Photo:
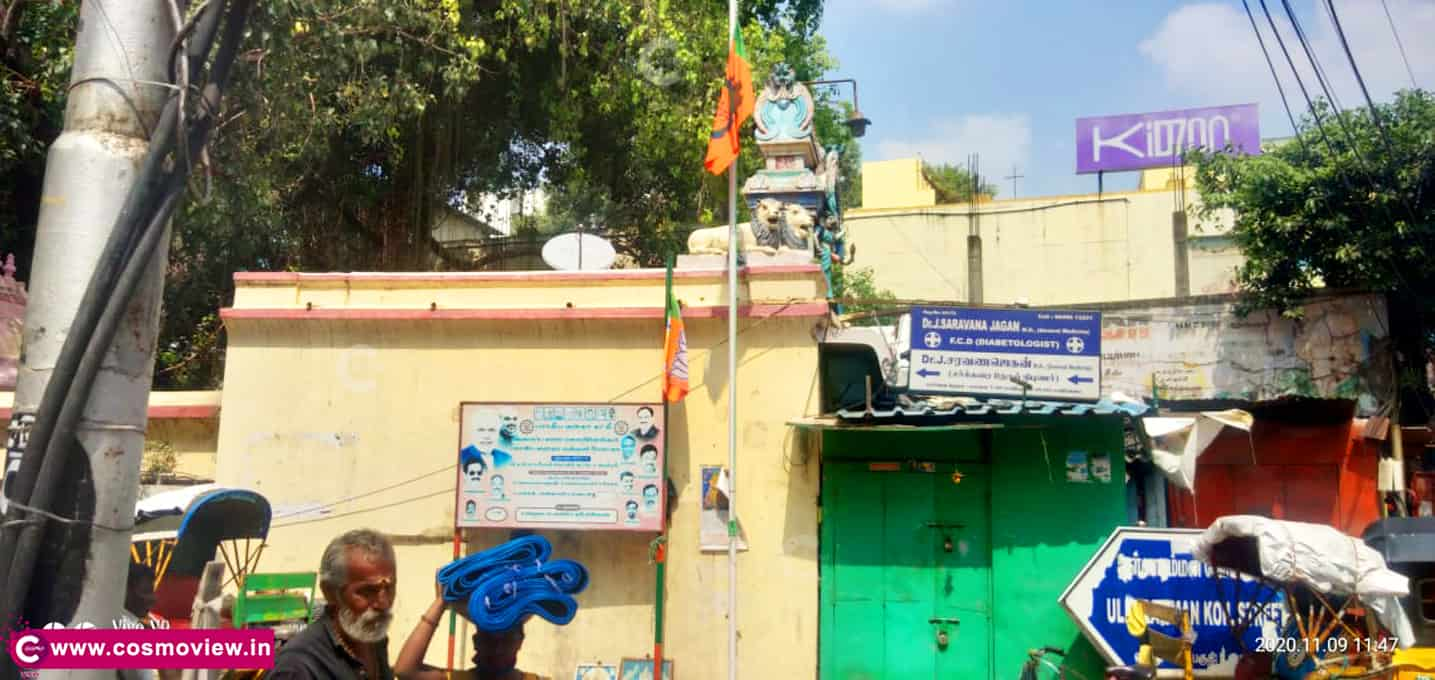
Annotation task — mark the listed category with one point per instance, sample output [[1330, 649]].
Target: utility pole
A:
[[974, 235], [121, 53]]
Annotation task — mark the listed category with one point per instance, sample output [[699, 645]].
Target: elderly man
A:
[[350, 639]]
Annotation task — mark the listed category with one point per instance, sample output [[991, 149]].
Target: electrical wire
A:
[[1295, 128], [1339, 113], [1399, 44], [1310, 103], [1345, 46], [366, 494], [360, 511]]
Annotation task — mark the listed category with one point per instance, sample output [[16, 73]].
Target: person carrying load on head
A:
[[498, 590]]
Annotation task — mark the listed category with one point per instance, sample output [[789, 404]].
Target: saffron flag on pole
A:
[[675, 348], [735, 106]]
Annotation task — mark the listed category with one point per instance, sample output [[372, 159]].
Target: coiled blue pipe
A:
[[504, 585]]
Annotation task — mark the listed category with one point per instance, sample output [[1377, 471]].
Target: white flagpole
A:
[[732, 245]]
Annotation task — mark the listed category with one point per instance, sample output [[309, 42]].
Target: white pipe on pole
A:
[[732, 246]]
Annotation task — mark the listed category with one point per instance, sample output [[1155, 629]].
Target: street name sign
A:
[[1157, 565], [1038, 354]]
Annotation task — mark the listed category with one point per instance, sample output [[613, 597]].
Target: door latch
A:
[[942, 639]]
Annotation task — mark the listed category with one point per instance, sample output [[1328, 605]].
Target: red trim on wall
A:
[[183, 412], [159, 412], [802, 309], [517, 277]]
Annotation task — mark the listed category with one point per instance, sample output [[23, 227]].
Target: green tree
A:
[[872, 305], [351, 122], [1341, 207], [36, 51], [954, 184]]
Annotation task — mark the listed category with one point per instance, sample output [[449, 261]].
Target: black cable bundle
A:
[[127, 255]]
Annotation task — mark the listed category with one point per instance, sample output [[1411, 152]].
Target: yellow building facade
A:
[[1054, 250], [341, 406], [182, 424]]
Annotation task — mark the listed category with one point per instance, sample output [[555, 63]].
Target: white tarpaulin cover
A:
[[1176, 446], [1322, 558]]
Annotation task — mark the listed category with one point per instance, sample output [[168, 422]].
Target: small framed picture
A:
[[642, 669], [593, 671]]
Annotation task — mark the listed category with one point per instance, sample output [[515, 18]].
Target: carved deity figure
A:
[[784, 109]]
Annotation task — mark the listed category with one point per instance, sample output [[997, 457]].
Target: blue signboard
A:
[[1157, 565], [1041, 354]]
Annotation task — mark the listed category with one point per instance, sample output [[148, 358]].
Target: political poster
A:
[[560, 466]]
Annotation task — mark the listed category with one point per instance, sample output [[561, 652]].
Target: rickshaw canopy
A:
[[1315, 556]]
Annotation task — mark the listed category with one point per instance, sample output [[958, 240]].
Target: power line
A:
[[1400, 45], [1295, 128], [1339, 111], [1315, 113], [361, 511], [1344, 45]]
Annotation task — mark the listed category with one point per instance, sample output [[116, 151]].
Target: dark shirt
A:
[[316, 654]]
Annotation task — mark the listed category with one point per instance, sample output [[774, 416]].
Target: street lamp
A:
[[855, 122]]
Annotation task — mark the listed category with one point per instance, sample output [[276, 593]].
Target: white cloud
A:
[[1208, 49], [1003, 140]]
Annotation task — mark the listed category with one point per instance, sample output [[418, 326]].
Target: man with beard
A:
[[350, 639]]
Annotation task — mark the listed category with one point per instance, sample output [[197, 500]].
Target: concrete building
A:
[[341, 405], [1116, 246]]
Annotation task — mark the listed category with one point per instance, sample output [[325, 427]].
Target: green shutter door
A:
[[889, 584]]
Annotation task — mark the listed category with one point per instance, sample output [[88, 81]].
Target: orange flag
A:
[[734, 108], [675, 348]]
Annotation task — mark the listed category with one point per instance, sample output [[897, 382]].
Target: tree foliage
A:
[[350, 123], [872, 305], [955, 184], [1338, 206], [36, 51]]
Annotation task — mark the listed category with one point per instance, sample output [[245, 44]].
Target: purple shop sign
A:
[[1152, 140]]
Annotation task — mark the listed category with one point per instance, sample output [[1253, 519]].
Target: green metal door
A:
[[906, 556]]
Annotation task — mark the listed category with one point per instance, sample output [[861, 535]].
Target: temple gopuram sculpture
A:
[[794, 199]]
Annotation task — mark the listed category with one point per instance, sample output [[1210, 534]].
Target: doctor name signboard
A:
[[1156, 565], [1040, 354], [560, 466]]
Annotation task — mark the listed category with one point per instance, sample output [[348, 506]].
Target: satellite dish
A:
[[570, 252]]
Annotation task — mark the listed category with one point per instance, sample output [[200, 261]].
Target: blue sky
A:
[[1008, 78]]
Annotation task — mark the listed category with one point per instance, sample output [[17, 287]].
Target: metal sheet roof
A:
[[951, 408]]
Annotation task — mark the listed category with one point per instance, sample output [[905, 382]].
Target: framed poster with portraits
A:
[[585, 466]]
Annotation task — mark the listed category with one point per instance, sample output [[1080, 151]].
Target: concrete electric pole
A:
[[117, 92]]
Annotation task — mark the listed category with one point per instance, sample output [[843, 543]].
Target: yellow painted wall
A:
[[896, 184], [316, 411], [195, 440], [1043, 251]]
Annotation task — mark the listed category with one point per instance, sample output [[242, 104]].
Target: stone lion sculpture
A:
[[767, 223], [797, 232], [714, 240]]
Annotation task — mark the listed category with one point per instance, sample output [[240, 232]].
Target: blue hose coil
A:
[[504, 585]]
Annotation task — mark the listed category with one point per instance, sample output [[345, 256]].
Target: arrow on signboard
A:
[[926, 373], [1077, 380]]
